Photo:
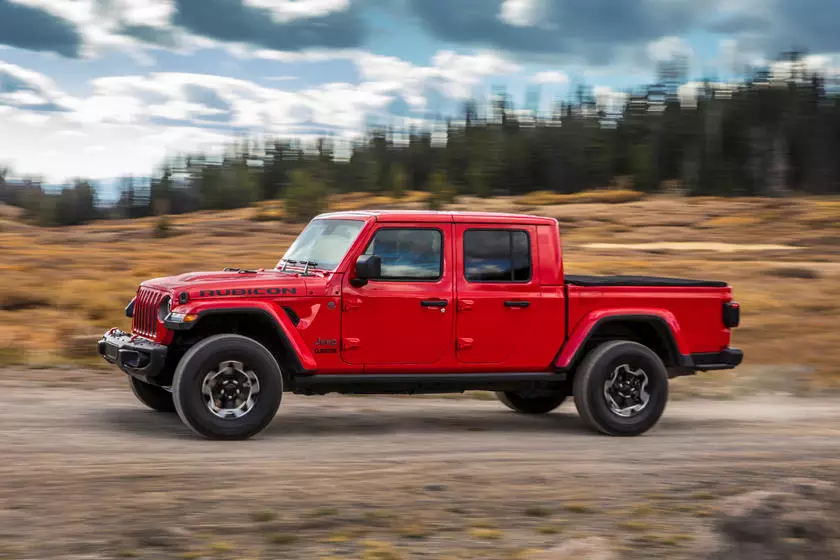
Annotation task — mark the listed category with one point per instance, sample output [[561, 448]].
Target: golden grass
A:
[[367, 201], [548, 198], [729, 221], [484, 533], [62, 287]]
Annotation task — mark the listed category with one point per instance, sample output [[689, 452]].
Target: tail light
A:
[[731, 314]]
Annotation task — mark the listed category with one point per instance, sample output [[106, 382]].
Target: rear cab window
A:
[[497, 255]]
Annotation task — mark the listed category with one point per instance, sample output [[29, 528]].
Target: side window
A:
[[497, 256], [408, 254]]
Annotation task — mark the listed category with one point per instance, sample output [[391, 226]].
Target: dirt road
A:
[[91, 474]]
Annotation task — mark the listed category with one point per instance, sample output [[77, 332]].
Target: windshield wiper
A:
[[239, 270], [306, 264]]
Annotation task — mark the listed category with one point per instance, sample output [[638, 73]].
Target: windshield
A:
[[324, 243]]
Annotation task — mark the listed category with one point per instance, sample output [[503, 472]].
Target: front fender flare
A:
[[665, 321], [292, 340]]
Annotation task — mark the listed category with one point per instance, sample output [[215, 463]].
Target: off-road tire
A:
[[592, 374], [156, 398], [537, 404], [205, 357]]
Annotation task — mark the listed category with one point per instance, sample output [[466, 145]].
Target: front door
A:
[[498, 296], [406, 316]]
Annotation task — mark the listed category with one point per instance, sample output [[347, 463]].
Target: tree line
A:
[[767, 135]]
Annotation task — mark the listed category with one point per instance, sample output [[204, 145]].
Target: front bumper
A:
[[135, 355]]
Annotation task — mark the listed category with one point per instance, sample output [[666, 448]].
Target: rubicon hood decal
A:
[[200, 285], [226, 292]]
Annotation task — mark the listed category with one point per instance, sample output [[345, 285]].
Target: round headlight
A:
[[164, 308]]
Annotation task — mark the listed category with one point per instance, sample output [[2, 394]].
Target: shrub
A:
[[163, 227], [263, 214], [305, 198], [12, 356], [399, 182], [794, 272], [441, 192], [21, 298]]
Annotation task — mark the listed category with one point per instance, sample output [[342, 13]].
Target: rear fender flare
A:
[[666, 323], [292, 341]]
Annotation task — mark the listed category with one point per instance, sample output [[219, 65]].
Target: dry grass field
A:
[[60, 288], [89, 473]]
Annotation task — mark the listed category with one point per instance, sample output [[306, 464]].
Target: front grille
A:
[[145, 320]]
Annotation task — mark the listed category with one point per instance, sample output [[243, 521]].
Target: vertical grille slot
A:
[[145, 320]]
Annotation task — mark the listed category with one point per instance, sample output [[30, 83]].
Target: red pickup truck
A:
[[420, 302]]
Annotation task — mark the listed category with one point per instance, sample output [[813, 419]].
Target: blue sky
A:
[[104, 88]]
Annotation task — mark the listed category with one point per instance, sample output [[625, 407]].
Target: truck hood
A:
[[213, 284]]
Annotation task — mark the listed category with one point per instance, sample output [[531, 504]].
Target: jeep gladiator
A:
[[420, 302]]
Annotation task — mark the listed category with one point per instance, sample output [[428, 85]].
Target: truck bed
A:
[[602, 281]]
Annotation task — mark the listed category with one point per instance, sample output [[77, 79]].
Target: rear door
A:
[[498, 293], [406, 316]]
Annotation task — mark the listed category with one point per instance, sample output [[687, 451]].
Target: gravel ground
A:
[[87, 472]]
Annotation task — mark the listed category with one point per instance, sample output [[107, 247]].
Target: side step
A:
[[418, 383]]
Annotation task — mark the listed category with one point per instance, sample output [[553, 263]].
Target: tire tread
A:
[[589, 367], [155, 398], [184, 364]]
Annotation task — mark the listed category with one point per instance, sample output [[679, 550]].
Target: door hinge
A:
[[465, 304], [351, 304], [349, 343], [463, 343]]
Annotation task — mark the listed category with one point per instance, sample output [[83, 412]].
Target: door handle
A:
[[517, 303], [434, 303]]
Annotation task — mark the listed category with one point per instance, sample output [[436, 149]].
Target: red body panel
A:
[[488, 332], [382, 327], [383, 324]]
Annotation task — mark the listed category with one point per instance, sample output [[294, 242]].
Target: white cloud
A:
[[310, 55], [29, 88], [286, 10], [522, 13], [139, 119], [155, 13], [551, 77], [451, 74], [610, 100], [668, 48], [822, 63], [58, 149], [117, 129], [689, 92], [102, 24]]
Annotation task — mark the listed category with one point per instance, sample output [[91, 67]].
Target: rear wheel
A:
[[621, 388], [156, 398], [227, 387], [533, 402]]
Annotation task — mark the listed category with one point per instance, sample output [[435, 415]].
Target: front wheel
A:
[[533, 402], [621, 388], [227, 387], [156, 398]]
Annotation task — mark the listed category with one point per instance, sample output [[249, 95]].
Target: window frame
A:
[[510, 231], [441, 270]]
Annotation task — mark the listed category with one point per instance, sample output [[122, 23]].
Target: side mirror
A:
[[368, 267]]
